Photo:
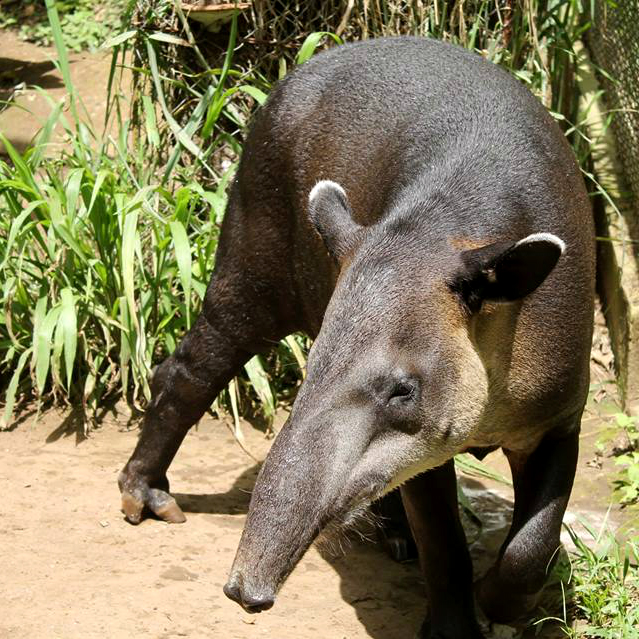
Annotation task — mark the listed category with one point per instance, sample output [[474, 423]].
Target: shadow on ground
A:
[[233, 502]]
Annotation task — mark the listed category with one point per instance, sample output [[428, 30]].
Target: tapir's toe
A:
[[132, 508], [136, 495]]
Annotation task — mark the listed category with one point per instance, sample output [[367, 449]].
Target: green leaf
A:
[[129, 239], [118, 39], [23, 170], [44, 345], [10, 396], [311, 43], [37, 318], [258, 95], [178, 131], [68, 324], [150, 121], [74, 181], [297, 352], [471, 466], [44, 135], [63, 59], [170, 39], [183, 257], [125, 348]]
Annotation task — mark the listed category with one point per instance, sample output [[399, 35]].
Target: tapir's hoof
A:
[[136, 495], [502, 603]]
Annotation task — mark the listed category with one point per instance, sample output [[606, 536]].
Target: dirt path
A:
[[72, 567], [22, 65]]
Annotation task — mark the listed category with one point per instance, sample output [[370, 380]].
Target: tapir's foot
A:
[[456, 628], [504, 603], [137, 495]]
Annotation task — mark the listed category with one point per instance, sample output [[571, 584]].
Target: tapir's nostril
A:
[[250, 602]]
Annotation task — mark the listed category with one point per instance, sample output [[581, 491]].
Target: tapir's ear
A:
[[330, 213], [507, 271]]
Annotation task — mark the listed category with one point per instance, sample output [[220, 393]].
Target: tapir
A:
[[417, 211]]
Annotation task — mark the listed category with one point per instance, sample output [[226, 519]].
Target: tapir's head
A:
[[394, 383]]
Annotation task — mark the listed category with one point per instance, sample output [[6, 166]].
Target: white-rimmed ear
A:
[[507, 271], [331, 216]]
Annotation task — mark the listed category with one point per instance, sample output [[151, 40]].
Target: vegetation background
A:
[[107, 247]]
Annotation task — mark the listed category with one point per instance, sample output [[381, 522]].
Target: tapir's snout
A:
[[251, 599]]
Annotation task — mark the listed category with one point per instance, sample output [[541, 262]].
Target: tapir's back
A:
[[378, 114]]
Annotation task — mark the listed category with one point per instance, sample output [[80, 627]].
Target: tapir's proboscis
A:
[[418, 212]]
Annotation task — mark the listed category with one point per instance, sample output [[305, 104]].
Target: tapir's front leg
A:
[[542, 481], [431, 505]]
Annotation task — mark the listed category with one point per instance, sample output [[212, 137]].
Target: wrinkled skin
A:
[[445, 266]]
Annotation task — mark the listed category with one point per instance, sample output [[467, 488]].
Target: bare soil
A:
[[73, 567]]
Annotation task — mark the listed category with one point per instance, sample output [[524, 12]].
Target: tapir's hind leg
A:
[[542, 481], [243, 313], [431, 505]]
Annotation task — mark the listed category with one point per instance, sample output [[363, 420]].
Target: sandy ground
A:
[[24, 65], [72, 567]]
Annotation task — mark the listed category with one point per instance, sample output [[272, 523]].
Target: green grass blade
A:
[[183, 257], [150, 121], [129, 239], [297, 353], [74, 181], [68, 323], [10, 395], [177, 130], [63, 59], [471, 466], [258, 95], [119, 39], [23, 170], [311, 43], [43, 347]]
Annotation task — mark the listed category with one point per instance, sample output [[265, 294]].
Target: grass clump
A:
[[600, 584], [104, 262], [91, 266]]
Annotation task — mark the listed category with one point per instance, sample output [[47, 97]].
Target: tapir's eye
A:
[[402, 391]]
